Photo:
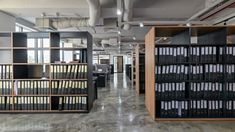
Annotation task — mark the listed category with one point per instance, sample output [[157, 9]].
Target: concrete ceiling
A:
[[143, 10]]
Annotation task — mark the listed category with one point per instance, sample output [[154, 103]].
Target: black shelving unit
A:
[[46, 72]]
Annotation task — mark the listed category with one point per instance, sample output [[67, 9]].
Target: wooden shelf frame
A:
[[136, 70], [150, 42]]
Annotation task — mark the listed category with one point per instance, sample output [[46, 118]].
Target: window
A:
[[38, 54]]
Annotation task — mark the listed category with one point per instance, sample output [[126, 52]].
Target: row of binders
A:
[[31, 87], [70, 103], [5, 71], [69, 71], [172, 72], [69, 87], [43, 103], [31, 103], [170, 91], [195, 72], [24, 103], [202, 90], [206, 90], [171, 54], [196, 108], [5, 87], [203, 54]]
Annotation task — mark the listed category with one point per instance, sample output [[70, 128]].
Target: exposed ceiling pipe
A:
[[128, 13], [227, 19], [204, 10], [217, 10], [154, 23], [94, 12]]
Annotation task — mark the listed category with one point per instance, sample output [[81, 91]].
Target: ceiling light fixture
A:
[[188, 24], [165, 38], [141, 24], [134, 38], [119, 32], [119, 12]]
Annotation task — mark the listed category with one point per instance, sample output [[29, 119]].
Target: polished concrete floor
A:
[[118, 109]]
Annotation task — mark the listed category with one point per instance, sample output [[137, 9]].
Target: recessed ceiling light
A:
[[188, 24], [119, 42], [119, 12], [134, 38], [119, 32], [141, 25]]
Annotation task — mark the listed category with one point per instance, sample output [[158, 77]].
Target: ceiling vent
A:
[[44, 24]]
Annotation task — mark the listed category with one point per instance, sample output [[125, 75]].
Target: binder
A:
[[84, 103], [85, 71], [2, 107], [53, 91], [1, 72], [56, 85], [60, 87], [68, 72], [61, 103], [19, 103], [52, 71], [75, 72], [1, 88], [70, 88], [72, 71], [80, 103], [233, 109], [79, 87], [39, 106], [42, 103], [47, 87], [75, 87], [81, 71], [66, 102], [34, 103], [48, 103], [4, 90], [64, 71], [63, 90], [77, 103]]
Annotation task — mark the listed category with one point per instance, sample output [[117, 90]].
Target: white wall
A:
[[7, 23]]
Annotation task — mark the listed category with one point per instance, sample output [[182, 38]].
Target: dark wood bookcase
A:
[[46, 72], [189, 73]]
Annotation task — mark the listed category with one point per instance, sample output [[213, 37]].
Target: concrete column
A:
[[7, 22]]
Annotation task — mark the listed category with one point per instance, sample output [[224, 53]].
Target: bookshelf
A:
[[133, 69], [46, 72], [139, 67], [189, 73], [128, 70]]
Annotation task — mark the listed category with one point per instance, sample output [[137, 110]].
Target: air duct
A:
[[62, 23], [65, 22], [128, 13], [94, 11]]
